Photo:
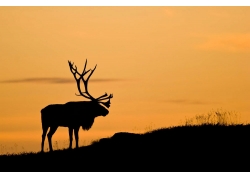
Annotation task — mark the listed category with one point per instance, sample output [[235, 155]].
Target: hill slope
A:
[[187, 148]]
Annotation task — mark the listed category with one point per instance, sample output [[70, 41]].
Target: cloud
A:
[[188, 102], [226, 42], [52, 80]]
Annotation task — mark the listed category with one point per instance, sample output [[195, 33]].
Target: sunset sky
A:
[[162, 64]]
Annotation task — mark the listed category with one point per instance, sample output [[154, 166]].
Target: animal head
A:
[[100, 107]]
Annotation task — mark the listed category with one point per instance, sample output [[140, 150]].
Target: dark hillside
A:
[[187, 148]]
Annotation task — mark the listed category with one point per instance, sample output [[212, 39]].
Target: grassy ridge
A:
[[182, 148]]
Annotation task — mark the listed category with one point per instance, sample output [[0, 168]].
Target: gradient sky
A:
[[162, 64]]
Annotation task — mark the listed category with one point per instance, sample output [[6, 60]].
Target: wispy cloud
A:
[[188, 102], [239, 42], [52, 80]]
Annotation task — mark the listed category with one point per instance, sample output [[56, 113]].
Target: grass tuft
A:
[[215, 117]]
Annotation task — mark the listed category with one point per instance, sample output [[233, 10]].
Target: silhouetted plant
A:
[[150, 127], [215, 117], [56, 146]]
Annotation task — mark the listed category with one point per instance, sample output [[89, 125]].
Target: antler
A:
[[85, 82], [78, 80], [103, 97], [107, 104]]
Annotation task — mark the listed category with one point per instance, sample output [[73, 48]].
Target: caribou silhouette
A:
[[74, 114]]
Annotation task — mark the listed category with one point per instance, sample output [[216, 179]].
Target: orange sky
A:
[[162, 64]]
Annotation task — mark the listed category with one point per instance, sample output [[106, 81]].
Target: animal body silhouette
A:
[[74, 114]]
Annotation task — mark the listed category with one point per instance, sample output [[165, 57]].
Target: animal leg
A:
[[52, 130], [76, 130], [45, 129], [70, 137]]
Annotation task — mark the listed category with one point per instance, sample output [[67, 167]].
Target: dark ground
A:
[[189, 148]]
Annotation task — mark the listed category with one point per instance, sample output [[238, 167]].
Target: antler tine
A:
[[91, 73], [109, 97], [85, 67], [104, 95], [86, 82], [71, 66], [107, 104]]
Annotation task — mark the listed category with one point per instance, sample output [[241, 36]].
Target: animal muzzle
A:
[[106, 113]]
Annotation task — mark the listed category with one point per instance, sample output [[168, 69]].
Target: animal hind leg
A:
[[45, 129], [70, 137], [52, 130]]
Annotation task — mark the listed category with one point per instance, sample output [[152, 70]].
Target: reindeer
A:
[[74, 114]]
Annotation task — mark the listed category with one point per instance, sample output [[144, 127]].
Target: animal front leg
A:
[[45, 129], [50, 134], [70, 137], [76, 130]]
